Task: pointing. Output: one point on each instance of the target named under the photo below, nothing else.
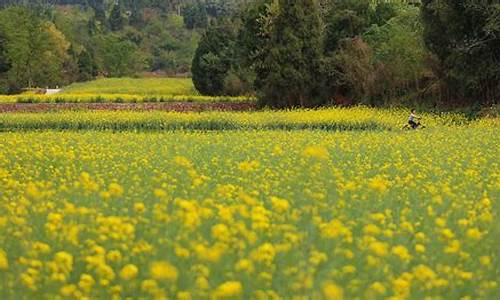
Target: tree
(116, 19)
(117, 57)
(212, 60)
(399, 56)
(99, 11)
(464, 36)
(87, 68)
(36, 50)
(345, 20)
(4, 62)
(289, 70)
(195, 16)
(53, 53)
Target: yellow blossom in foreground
(474, 234)
(380, 218)
(228, 289)
(129, 272)
(163, 270)
(379, 248)
(332, 291)
(401, 252)
(4, 262)
(316, 152)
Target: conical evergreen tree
(99, 12)
(291, 75)
(116, 19)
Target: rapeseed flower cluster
(250, 214)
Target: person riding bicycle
(413, 120)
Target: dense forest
(288, 53)
(49, 43)
(309, 53)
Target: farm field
(126, 90)
(134, 86)
(356, 118)
(328, 204)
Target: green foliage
(118, 57)
(4, 62)
(290, 65)
(465, 38)
(147, 36)
(87, 68)
(399, 56)
(36, 49)
(116, 19)
(346, 19)
(212, 60)
(195, 16)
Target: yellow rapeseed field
(125, 90)
(248, 214)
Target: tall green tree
(99, 12)
(195, 16)
(117, 57)
(87, 67)
(36, 49)
(290, 72)
(213, 58)
(346, 19)
(465, 38)
(4, 62)
(116, 19)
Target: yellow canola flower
(221, 232)
(129, 272)
(68, 290)
(163, 270)
(401, 252)
(115, 190)
(474, 234)
(379, 184)
(331, 291)
(485, 260)
(139, 207)
(265, 253)
(86, 282)
(280, 205)
(424, 273)
(318, 152)
(379, 248)
(378, 287)
(420, 248)
(184, 295)
(228, 289)
(4, 262)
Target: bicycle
(409, 127)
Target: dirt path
(179, 107)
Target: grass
(250, 214)
(134, 86)
(126, 90)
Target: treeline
(312, 52)
(50, 43)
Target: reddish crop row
(177, 106)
